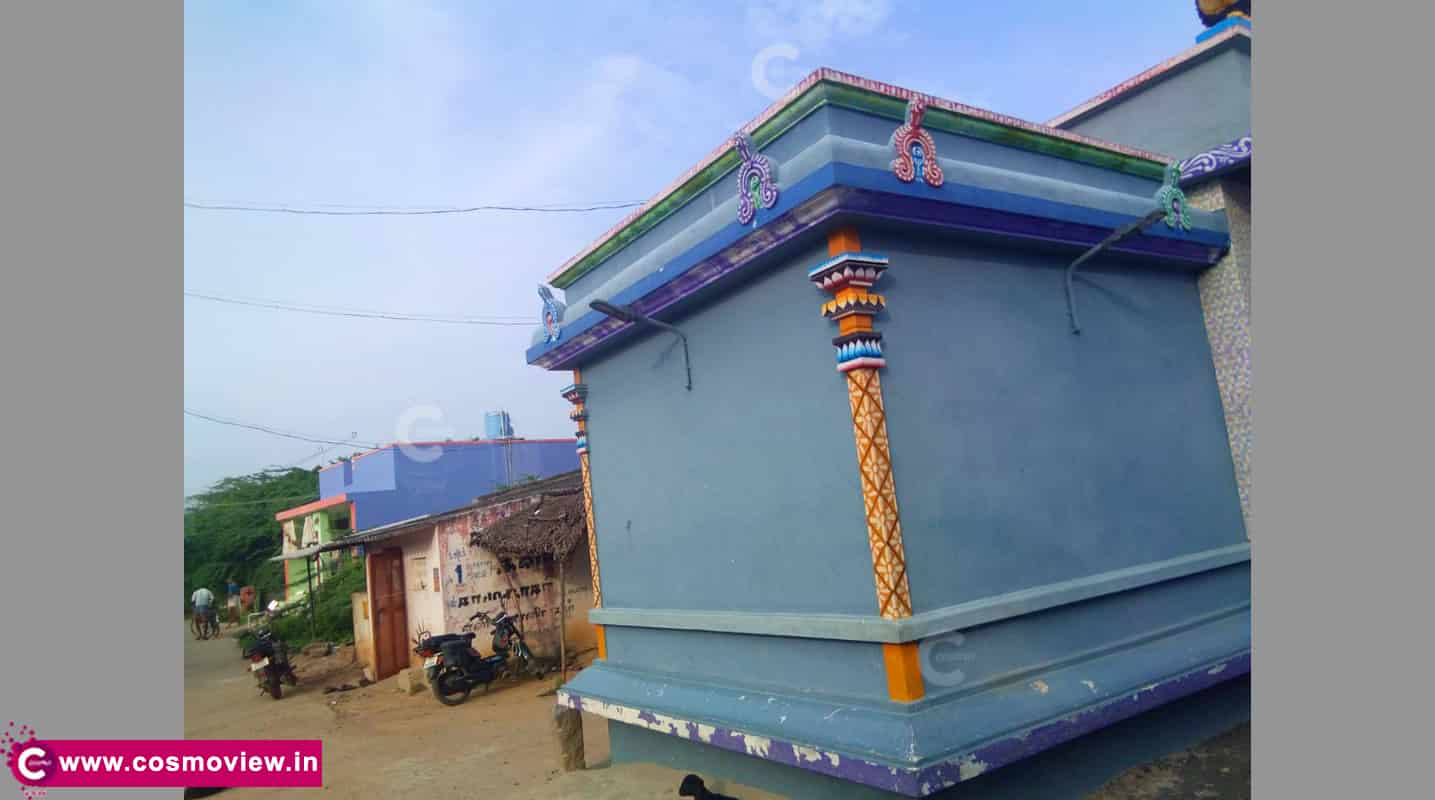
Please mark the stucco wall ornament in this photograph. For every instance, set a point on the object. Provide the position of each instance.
(916, 151)
(1170, 199)
(552, 314)
(756, 180)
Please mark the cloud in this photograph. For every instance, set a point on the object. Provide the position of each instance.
(814, 23)
(789, 29)
(605, 119)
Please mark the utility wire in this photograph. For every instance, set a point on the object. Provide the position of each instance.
(408, 212)
(258, 502)
(310, 457)
(319, 307)
(511, 322)
(382, 207)
(301, 437)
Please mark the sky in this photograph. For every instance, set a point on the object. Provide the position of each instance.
(435, 104)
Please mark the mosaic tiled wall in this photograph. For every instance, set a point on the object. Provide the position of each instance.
(1226, 301)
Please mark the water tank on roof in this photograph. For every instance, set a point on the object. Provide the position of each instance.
(497, 425)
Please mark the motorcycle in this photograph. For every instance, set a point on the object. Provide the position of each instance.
(269, 661)
(453, 667)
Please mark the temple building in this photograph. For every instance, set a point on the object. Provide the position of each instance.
(914, 441)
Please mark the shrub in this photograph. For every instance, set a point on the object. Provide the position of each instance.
(333, 615)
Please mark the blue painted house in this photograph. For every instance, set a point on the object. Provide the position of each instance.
(400, 482)
(870, 514)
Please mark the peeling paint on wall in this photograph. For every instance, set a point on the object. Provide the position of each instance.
(474, 579)
(970, 767)
(756, 745)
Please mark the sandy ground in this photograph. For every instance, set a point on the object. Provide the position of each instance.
(1218, 769)
(378, 742)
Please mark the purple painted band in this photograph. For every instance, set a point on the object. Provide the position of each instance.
(1217, 160)
(944, 774)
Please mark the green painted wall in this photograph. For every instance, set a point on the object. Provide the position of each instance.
(298, 582)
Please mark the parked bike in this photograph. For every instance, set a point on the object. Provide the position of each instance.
(453, 667)
(269, 661)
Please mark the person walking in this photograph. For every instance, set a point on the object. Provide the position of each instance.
(202, 599)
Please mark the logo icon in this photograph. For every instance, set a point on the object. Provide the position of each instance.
(404, 433)
(30, 760)
(938, 658)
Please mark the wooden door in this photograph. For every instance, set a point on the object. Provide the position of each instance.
(391, 624)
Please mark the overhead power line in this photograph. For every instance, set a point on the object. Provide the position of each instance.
(263, 429)
(257, 502)
(310, 457)
(513, 322)
(409, 212)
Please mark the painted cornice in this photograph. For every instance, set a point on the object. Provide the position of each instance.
(859, 192)
(1216, 161)
(1165, 69)
(830, 87)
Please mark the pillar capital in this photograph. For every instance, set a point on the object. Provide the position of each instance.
(849, 276)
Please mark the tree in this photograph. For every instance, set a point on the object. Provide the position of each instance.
(230, 531)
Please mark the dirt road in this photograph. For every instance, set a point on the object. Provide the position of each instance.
(378, 742)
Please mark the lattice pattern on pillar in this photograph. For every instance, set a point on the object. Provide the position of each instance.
(848, 275)
(879, 494)
(577, 394)
(592, 534)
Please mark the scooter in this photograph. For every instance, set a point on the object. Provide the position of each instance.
(269, 661)
(453, 667)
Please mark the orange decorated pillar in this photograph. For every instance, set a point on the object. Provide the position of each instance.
(849, 276)
(577, 394)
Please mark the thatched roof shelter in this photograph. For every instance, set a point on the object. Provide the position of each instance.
(552, 526)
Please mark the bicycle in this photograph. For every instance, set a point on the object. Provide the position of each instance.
(204, 625)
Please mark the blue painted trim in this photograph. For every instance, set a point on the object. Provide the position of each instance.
(816, 182)
(864, 628)
(836, 174)
(1223, 26)
(907, 778)
(1013, 748)
(877, 180)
